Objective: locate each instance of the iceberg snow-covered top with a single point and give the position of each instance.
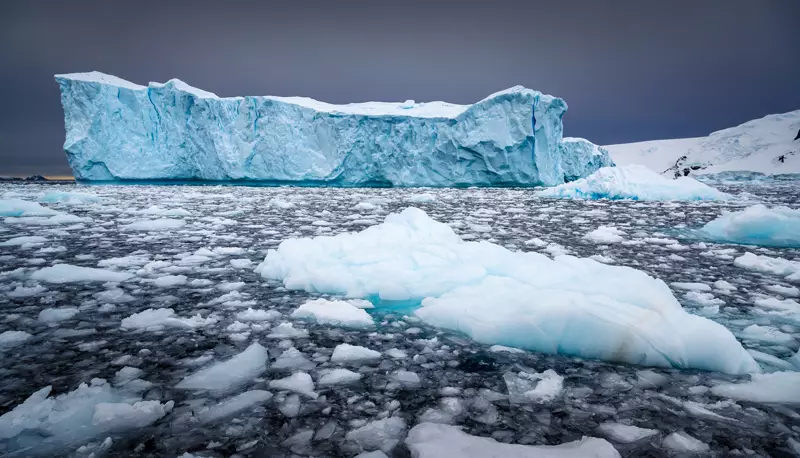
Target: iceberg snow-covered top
(435, 109)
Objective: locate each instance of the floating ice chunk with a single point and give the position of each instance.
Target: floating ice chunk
(258, 315)
(724, 285)
(280, 203)
(66, 273)
(72, 419)
(785, 291)
(625, 434)
(290, 407)
(406, 379)
(10, 339)
(346, 353)
(339, 377)
(121, 416)
(757, 225)
(229, 251)
(299, 382)
(766, 334)
(396, 353)
(163, 224)
(170, 280)
(335, 313)
(155, 319)
(242, 263)
(114, 296)
(425, 198)
(230, 374)
(777, 304)
(287, 331)
(448, 410)
(690, 286)
(19, 207)
(234, 405)
(503, 349)
(769, 360)
(360, 303)
(231, 286)
(377, 435)
(432, 440)
(24, 240)
(54, 315)
(373, 454)
(126, 374)
(525, 388)
(23, 291)
(367, 206)
(581, 307)
(774, 388)
(683, 443)
(766, 264)
(605, 234)
(293, 359)
(69, 197)
(634, 182)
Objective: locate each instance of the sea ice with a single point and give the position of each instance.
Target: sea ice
(605, 234)
(10, 339)
(757, 225)
(769, 265)
(581, 307)
(381, 434)
(163, 224)
(24, 240)
(299, 382)
(524, 388)
(774, 388)
(339, 377)
(71, 419)
(335, 313)
(433, 440)
(346, 353)
(619, 432)
(683, 443)
(19, 207)
(66, 273)
(227, 375)
(633, 182)
(293, 359)
(234, 405)
(155, 319)
(54, 315)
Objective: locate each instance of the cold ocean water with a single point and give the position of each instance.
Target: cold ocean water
(193, 249)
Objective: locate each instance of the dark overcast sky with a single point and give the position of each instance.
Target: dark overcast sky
(629, 70)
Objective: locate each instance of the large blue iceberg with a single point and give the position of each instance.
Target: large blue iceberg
(117, 130)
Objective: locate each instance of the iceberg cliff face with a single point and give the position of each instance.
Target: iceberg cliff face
(117, 130)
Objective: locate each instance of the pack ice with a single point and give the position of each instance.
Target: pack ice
(634, 182)
(567, 305)
(117, 130)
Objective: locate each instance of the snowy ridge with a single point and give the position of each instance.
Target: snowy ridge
(765, 146)
(178, 132)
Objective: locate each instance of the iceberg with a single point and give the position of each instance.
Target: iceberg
(117, 130)
(757, 225)
(634, 182)
(566, 305)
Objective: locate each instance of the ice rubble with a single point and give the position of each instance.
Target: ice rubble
(633, 182)
(433, 440)
(774, 388)
(757, 225)
(117, 130)
(230, 374)
(19, 207)
(66, 273)
(336, 313)
(581, 307)
(786, 268)
(71, 419)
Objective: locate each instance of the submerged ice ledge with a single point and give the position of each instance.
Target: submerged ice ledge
(172, 132)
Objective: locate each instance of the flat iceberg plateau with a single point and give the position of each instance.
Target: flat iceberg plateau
(757, 225)
(117, 130)
(568, 305)
(634, 182)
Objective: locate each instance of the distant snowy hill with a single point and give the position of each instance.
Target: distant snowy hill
(767, 145)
